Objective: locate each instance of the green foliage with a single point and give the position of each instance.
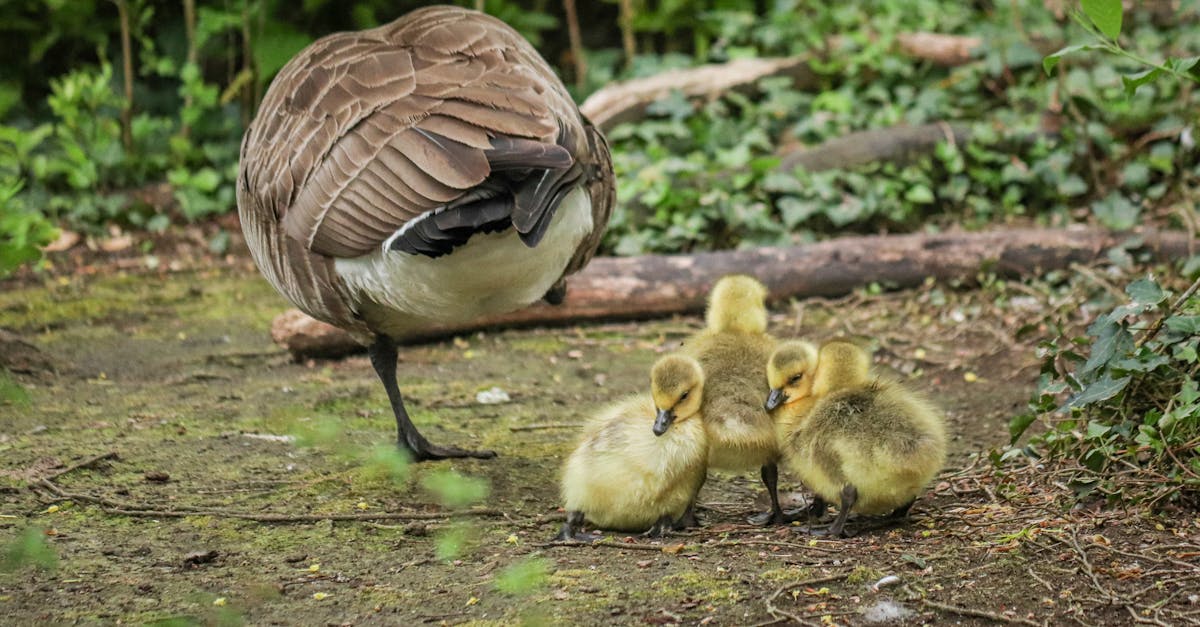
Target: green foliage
(523, 577)
(1123, 401)
(455, 490)
(693, 175)
(1103, 19)
(23, 232)
(29, 549)
(11, 392)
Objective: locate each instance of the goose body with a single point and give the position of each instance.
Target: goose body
(733, 349)
(428, 171)
(867, 443)
(640, 461)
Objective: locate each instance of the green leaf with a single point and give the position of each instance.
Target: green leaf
(1051, 60)
(1116, 212)
(455, 490)
(1133, 81)
(1018, 425)
(1145, 292)
(523, 577)
(1101, 389)
(29, 549)
(919, 194)
(1105, 14)
(1187, 325)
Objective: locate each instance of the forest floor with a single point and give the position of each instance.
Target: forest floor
(175, 376)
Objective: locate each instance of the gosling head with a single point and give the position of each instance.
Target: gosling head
(737, 303)
(840, 365)
(677, 387)
(790, 373)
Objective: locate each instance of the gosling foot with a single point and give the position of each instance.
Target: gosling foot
(661, 529)
(572, 530)
(780, 517)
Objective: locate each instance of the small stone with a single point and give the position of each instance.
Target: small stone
(493, 396)
(155, 476)
(196, 558)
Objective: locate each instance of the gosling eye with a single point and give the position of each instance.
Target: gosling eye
(795, 378)
(683, 397)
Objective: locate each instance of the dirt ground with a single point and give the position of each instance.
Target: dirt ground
(175, 375)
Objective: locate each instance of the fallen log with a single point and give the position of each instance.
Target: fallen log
(895, 144)
(625, 288)
(627, 101)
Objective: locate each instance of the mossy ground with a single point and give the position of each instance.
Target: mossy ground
(177, 375)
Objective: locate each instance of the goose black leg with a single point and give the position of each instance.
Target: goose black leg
(383, 358)
(770, 478)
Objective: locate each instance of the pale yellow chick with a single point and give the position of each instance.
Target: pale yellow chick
(640, 461)
(733, 349)
(866, 443)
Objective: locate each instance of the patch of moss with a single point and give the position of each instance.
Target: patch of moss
(714, 588)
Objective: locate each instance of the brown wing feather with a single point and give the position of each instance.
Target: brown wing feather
(333, 161)
(399, 114)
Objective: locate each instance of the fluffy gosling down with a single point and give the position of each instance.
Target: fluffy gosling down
(733, 350)
(868, 444)
(640, 461)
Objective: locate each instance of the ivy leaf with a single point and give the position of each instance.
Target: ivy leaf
(1186, 325)
(1105, 14)
(1052, 60)
(1101, 389)
(1018, 425)
(919, 194)
(1133, 81)
(1116, 212)
(1145, 292)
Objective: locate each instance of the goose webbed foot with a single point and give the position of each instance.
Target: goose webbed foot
(383, 357)
(556, 293)
(431, 452)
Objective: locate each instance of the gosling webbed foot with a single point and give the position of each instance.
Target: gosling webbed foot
(572, 530)
(688, 520)
(660, 529)
(780, 517)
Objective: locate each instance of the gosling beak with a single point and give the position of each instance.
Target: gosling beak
(775, 399)
(663, 420)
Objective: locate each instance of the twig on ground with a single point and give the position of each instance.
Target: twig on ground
(636, 546)
(966, 611)
(82, 464)
(777, 613)
(547, 425)
(1154, 328)
(133, 509)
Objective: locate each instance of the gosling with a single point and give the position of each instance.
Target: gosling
(630, 471)
(733, 350)
(867, 443)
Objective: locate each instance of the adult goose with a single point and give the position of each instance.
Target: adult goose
(431, 170)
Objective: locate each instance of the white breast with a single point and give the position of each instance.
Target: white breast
(493, 273)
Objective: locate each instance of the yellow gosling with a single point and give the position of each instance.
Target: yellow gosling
(640, 461)
(869, 444)
(733, 350)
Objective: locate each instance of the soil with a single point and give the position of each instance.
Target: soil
(175, 374)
